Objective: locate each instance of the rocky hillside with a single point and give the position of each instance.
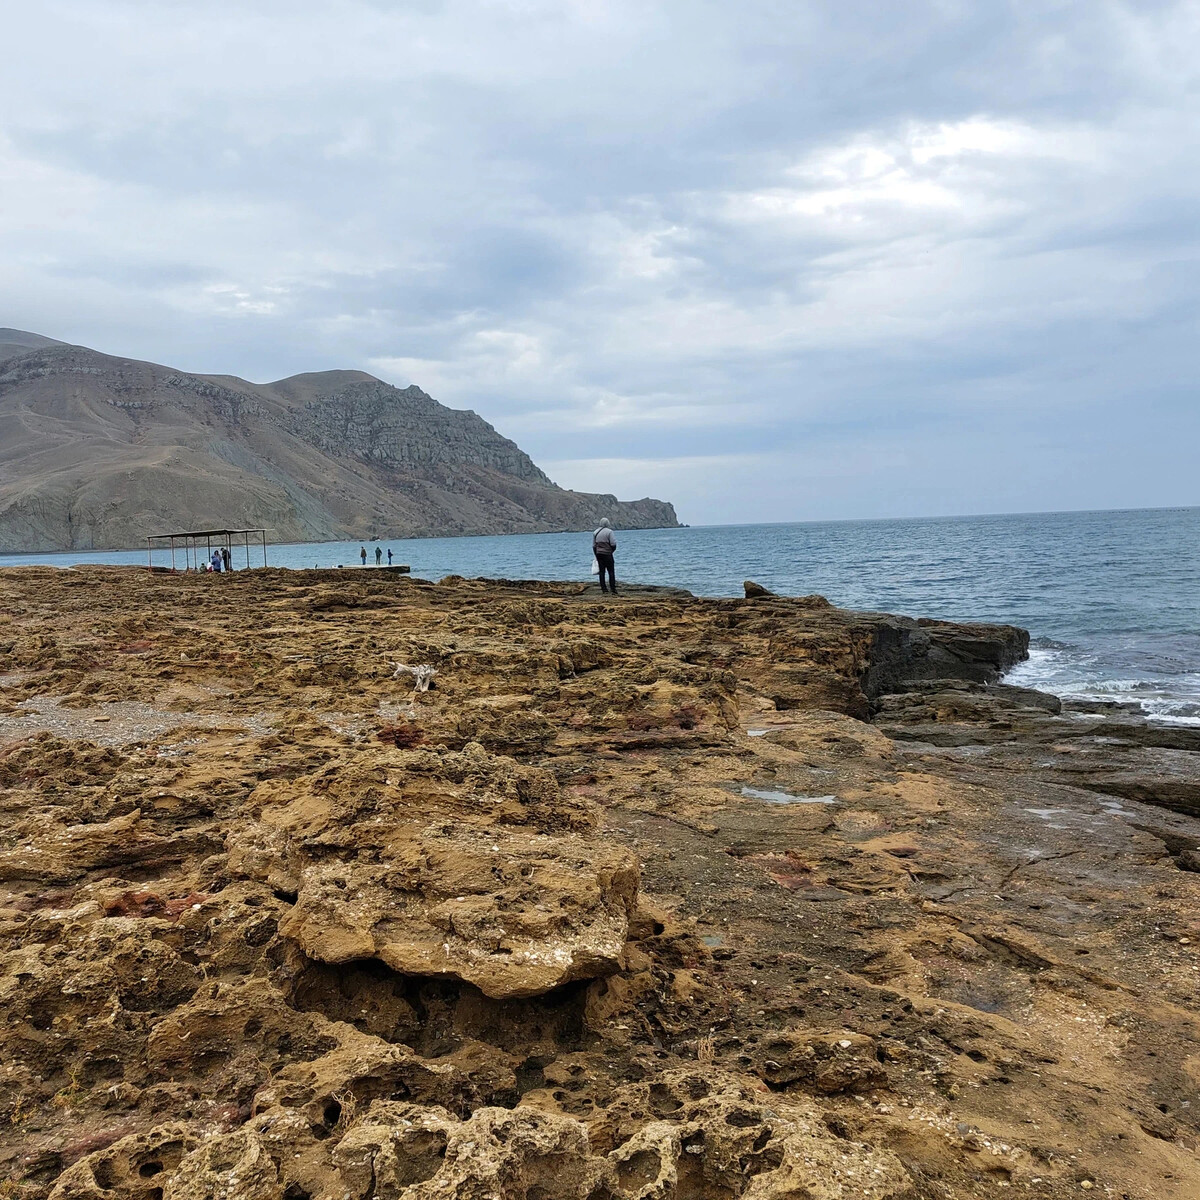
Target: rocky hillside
(97, 451)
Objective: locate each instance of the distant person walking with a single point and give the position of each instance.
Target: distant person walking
(362, 553)
(604, 546)
(378, 556)
(227, 558)
(389, 556)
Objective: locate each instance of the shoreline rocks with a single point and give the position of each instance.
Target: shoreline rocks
(675, 897)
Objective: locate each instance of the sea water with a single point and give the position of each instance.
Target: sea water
(1112, 599)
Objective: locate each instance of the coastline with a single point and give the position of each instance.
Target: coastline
(619, 875)
(366, 541)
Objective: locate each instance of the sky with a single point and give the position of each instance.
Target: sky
(770, 260)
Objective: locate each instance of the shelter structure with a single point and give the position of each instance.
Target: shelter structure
(188, 541)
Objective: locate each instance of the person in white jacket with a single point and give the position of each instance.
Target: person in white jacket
(604, 546)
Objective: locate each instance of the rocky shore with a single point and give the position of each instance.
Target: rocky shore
(324, 885)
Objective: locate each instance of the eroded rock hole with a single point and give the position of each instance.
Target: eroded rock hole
(424, 1154)
(742, 1118)
(436, 1017)
(149, 1169)
(663, 1102)
(531, 1074)
(638, 1170)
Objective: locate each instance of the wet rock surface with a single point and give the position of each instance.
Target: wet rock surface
(286, 925)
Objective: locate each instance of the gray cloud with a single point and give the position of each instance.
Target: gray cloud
(775, 260)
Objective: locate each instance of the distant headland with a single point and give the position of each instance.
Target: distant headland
(98, 451)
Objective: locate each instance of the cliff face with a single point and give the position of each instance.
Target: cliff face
(401, 429)
(97, 451)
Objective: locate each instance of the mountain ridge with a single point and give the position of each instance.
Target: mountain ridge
(97, 450)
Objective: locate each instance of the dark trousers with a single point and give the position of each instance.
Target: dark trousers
(606, 565)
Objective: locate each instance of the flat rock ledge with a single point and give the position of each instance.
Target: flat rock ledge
(652, 898)
(512, 914)
(463, 866)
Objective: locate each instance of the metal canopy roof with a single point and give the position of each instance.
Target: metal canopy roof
(191, 545)
(203, 533)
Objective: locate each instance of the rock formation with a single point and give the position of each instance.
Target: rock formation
(654, 898)
(97, 451)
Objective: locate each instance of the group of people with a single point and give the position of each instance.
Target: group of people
(220, 561)
(604, 547)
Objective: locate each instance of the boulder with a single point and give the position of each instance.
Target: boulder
(1189, 860)
(755, 591)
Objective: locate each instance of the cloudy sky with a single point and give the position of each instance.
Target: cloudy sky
(774, 259)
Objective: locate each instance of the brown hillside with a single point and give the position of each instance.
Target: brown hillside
(97, 451)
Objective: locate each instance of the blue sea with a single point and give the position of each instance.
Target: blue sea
(1112, 599)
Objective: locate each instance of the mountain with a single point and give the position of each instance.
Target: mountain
(97, 451)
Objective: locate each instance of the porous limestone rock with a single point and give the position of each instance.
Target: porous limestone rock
(404, 1152)
(825, 1062)
(715, 1137)
(913, 977)
(132, 1168)
(473, 872)
(513, 914)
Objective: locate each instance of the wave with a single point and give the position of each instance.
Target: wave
(1048, 643)
(1168, 692)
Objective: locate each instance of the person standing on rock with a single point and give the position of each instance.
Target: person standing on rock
(389, 556)
(378, 556)
(362, 553)
(604, 546)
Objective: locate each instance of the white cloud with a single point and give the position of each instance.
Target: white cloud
(692, 235)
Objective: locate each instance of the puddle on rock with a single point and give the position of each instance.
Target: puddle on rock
(786, 797)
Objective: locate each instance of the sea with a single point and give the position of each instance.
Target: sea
(1111, 599)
